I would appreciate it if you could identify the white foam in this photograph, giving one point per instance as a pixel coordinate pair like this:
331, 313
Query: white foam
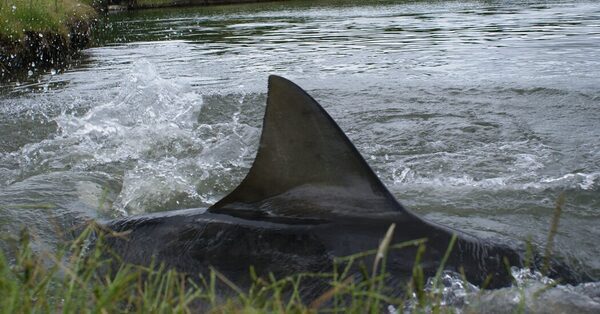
531, 291
584, 181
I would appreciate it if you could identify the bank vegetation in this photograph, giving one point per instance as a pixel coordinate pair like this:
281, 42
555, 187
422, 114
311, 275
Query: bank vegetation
38, 34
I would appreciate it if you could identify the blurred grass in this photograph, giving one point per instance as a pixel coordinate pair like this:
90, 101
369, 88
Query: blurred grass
81, 278
18, 17
76, 280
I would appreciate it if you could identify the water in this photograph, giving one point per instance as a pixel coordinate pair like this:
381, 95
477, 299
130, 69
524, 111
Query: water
477, 115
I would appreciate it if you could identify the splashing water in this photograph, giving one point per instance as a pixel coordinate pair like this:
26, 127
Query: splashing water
150, 148
531, 292
476, 115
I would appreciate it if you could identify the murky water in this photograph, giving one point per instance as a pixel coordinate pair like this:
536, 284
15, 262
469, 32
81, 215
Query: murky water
477, 115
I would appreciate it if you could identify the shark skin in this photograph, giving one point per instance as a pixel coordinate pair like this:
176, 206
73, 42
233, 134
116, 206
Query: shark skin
309, 197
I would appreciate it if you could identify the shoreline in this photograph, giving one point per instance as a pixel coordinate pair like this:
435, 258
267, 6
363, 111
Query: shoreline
43, 50
26, 47
39, 36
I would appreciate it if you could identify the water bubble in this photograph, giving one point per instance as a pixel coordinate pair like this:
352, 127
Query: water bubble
524, 276
451, 289
392, 309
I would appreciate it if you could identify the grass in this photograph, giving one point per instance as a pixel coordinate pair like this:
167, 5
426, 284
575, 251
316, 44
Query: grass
560, 202
77, 279
18, 17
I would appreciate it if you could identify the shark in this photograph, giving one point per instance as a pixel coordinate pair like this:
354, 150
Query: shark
308, 198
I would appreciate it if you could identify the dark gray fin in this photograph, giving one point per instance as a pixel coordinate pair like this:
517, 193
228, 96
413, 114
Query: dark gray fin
306, 167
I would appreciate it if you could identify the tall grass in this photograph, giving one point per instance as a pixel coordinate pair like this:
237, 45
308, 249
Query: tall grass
81, 277
76, 280
560, 202
18, 17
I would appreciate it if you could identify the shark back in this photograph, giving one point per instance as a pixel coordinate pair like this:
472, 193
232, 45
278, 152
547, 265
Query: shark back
306, 167
309, 197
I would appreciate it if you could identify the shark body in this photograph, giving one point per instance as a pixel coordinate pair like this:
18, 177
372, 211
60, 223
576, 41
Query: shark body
309, 197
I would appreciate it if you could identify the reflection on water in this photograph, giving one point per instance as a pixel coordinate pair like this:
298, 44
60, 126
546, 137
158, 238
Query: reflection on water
475, 114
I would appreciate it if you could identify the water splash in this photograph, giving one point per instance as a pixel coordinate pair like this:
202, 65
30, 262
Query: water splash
531, 292
152, 137
535, 293
452, 291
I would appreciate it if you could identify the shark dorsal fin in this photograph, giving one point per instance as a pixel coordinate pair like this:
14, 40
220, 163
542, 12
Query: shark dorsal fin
305, 166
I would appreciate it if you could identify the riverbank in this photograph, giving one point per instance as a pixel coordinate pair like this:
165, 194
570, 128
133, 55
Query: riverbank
41, 34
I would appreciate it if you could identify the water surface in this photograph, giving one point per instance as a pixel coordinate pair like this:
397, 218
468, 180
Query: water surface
476, 114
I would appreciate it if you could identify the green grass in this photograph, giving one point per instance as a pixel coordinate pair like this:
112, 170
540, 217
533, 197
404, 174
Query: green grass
18, 17
75, 280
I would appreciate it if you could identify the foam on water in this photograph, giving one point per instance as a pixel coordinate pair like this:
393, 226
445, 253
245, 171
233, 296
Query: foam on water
534, 293
583, 181
531, 292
